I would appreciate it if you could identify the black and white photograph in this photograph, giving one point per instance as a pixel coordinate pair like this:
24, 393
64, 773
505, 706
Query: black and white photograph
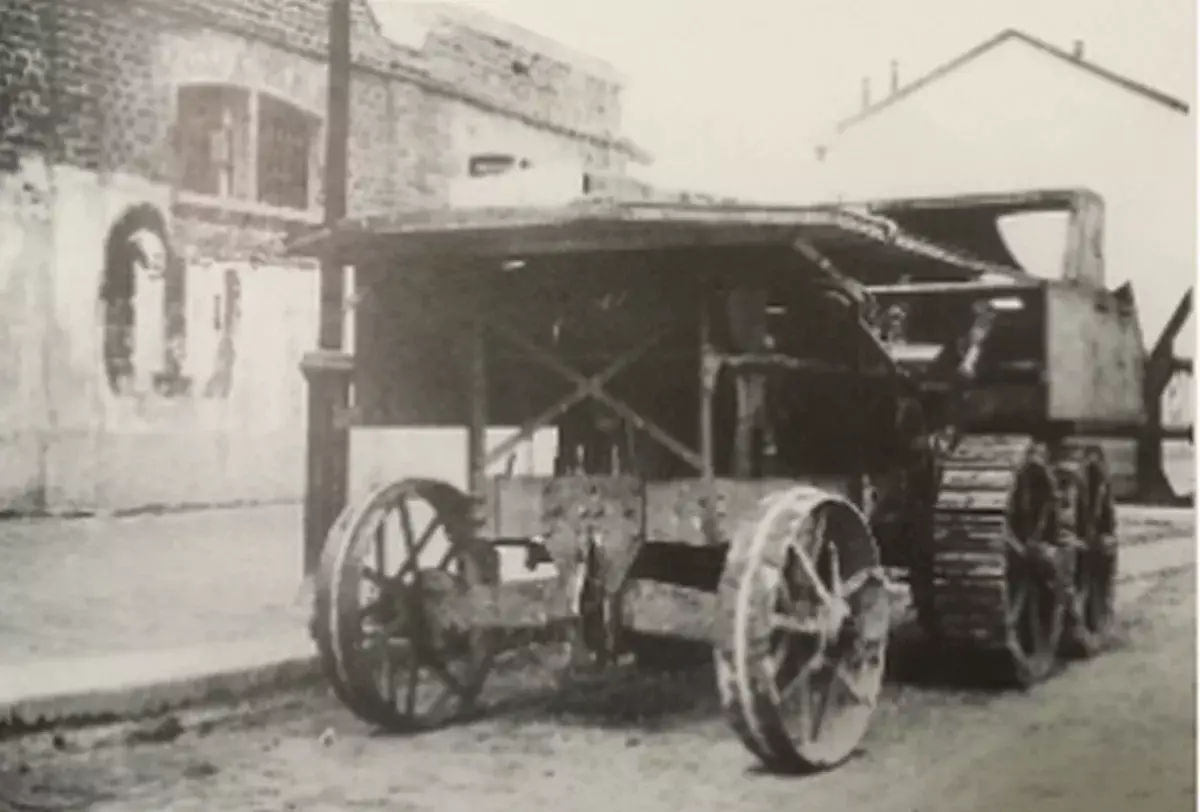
499, 405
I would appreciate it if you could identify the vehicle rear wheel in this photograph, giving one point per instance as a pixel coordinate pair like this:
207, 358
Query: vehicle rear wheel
391, 655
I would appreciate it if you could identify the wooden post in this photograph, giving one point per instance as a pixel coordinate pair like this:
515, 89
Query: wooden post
748, 320
710, 367
328, 390
478, 412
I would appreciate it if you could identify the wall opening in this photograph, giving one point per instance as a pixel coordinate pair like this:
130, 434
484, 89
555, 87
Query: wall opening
235, 143
487, 164
1037, 240
142, 298
213, 126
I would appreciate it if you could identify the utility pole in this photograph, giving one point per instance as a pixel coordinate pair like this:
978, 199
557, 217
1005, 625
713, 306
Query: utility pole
327, 370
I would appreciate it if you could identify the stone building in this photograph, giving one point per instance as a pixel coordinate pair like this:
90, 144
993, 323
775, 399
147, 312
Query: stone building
154, 157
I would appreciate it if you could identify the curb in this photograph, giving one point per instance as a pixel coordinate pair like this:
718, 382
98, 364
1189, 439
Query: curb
151, 510
252, 668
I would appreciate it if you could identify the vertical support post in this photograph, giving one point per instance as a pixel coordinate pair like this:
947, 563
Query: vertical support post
336, 168
477, 417
328, 391
1084, 256
748, 312
710, 367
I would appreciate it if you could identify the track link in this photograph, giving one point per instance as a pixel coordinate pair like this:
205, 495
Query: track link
968, 588
990, 586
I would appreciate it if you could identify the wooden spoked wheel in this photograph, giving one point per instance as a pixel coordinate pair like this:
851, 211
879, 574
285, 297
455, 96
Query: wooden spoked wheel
1090, 618
1033, 603
392, 652
802, 630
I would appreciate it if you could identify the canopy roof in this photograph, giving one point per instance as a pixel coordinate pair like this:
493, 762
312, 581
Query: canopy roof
973, 223
592, 226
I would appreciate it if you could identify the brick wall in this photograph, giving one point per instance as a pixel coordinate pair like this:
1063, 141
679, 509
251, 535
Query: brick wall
116, 64
91, 87
535, 85
110, 103
25, 121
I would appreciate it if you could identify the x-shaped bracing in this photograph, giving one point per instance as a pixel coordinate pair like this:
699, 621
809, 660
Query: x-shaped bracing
588, 387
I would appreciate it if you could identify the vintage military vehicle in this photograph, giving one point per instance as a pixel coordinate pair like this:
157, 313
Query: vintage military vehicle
756, 411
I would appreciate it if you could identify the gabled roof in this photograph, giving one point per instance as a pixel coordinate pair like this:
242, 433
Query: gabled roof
993, 43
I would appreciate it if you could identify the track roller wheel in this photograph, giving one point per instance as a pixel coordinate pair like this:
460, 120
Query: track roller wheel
1090, 615
801, 631
389, 654
1034, 620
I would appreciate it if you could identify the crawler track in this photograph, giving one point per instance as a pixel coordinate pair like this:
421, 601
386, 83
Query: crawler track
997, 550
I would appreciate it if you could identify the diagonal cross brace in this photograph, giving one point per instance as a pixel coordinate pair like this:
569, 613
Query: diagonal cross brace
592, 387
1162, 354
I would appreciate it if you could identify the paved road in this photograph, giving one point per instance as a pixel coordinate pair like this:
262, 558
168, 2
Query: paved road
106, 586
1116, 733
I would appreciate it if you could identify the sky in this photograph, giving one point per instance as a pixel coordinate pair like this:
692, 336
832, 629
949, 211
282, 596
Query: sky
732, 97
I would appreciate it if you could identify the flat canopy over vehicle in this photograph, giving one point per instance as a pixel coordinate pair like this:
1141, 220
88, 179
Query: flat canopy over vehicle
866, 247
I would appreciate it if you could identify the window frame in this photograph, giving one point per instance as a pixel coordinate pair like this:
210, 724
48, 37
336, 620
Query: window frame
245, 196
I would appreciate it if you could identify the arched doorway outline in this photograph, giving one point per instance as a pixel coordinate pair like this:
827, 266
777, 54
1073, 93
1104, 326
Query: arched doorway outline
117, 295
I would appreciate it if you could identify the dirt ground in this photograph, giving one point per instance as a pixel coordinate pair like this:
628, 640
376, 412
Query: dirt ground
1117, 733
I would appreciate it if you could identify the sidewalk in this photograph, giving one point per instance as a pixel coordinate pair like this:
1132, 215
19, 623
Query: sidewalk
84, 587
120, 616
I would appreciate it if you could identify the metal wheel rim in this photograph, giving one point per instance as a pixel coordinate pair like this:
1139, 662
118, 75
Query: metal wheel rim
792, 709
849, 689
1096, 570
1033, 609
387, 651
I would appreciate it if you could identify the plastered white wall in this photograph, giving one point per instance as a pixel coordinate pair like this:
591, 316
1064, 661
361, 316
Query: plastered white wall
69, 443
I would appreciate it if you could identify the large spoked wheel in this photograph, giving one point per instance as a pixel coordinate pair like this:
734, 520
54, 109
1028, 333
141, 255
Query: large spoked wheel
802, 631
1033, 599
1091, 615
392, 650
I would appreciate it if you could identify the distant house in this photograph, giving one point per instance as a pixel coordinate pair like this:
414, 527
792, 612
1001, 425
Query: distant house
1016, 112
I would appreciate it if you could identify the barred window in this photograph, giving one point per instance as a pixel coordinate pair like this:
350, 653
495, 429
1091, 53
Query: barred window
235, 143
285, 141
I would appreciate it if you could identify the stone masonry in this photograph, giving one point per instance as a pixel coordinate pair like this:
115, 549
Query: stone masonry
91, 126
84, 82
